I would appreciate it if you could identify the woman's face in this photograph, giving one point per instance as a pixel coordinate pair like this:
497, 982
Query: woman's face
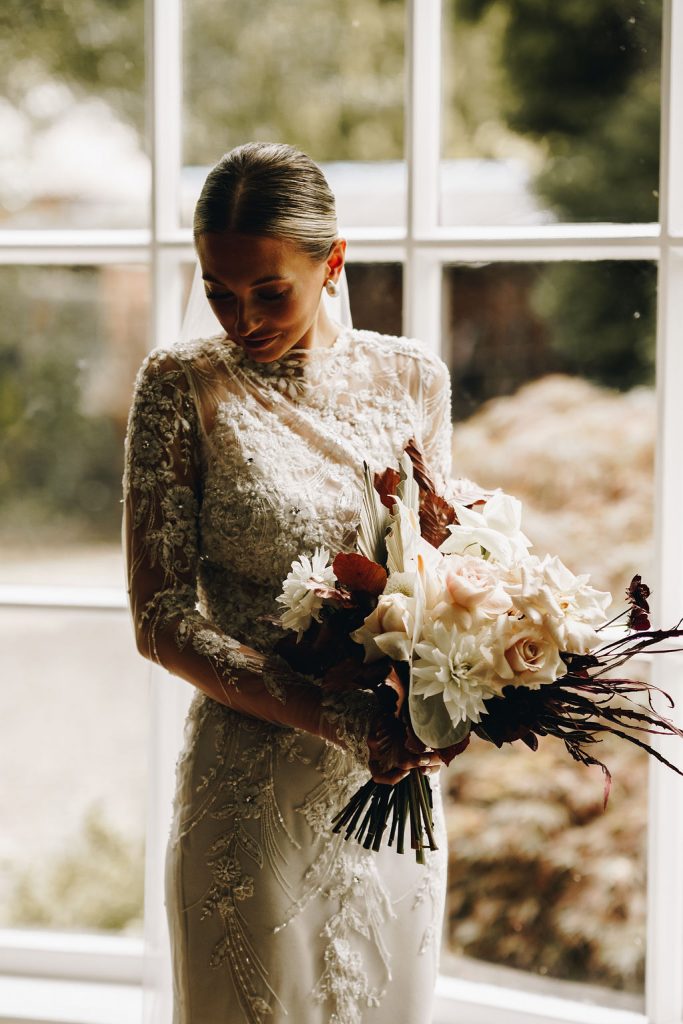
266, 293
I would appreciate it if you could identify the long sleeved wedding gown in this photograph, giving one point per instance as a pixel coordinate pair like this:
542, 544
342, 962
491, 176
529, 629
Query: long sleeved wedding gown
233, 469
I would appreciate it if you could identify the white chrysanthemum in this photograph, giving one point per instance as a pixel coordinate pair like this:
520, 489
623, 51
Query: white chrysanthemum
449, 662
496, 529
299, 590
400, 583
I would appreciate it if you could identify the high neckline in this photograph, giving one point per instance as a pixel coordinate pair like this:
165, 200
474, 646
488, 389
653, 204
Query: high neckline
298, 371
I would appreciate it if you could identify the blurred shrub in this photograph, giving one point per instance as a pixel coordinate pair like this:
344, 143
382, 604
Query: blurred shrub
540, 878
581, 459
97, 883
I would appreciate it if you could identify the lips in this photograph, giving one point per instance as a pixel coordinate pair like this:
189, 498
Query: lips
259, 341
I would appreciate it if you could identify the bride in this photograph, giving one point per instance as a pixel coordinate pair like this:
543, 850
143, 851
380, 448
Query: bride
243, 451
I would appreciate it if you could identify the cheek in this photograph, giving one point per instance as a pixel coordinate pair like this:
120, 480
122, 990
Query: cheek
297, 311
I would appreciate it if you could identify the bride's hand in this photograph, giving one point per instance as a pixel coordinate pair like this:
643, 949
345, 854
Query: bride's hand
390, 759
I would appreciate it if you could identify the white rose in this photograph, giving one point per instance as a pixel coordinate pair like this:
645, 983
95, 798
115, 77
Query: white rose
495, 529
548, 593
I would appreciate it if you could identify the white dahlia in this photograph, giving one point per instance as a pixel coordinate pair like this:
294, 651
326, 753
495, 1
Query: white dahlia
300, 590
449, 662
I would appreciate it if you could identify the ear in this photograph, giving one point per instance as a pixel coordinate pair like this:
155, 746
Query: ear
335, 259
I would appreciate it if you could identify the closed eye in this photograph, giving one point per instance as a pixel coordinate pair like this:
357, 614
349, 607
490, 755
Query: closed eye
215, 297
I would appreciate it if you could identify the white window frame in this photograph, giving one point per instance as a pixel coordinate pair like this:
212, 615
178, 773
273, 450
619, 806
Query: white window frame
424, 249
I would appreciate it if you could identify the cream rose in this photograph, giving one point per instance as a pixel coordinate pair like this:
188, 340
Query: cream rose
388, 629
521, 653
471, 591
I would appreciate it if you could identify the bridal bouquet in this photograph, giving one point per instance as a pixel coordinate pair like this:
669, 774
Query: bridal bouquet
457, 628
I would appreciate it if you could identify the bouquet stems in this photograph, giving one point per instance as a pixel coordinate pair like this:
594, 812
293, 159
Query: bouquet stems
367, 814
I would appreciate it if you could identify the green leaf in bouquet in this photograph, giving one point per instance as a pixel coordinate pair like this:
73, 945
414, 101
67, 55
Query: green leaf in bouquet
432, 723
374, 520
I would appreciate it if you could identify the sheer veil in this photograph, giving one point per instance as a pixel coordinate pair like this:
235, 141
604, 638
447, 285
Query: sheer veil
199, 321
169, 701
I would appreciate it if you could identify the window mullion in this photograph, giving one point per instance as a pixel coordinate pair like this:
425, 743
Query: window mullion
423, 104
664, 960
671, 172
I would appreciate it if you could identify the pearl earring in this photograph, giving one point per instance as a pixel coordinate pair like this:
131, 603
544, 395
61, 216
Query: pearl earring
331, 287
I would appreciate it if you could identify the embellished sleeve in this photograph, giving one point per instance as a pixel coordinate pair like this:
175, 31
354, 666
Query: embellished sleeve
162, 493
435, 406
437, 432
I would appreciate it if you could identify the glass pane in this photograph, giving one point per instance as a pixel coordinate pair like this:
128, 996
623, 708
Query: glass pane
73, 765
328, 78
376, 296
71, 340
553, 373
550, 112
72, 111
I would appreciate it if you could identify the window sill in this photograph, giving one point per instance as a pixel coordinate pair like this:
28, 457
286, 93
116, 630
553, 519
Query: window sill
472, 1002
48, 1001
25, 1000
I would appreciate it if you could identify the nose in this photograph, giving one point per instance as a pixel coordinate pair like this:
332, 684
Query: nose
247, 320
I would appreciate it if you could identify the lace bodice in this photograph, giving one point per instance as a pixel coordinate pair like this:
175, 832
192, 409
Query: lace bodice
234, 468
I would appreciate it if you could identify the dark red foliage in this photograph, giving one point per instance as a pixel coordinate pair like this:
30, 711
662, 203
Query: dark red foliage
421, 474
638, 619
638, 593
448, 753
436, 514
359, 574
385, 485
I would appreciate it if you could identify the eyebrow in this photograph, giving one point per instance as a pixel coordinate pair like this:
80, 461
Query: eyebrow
261, 280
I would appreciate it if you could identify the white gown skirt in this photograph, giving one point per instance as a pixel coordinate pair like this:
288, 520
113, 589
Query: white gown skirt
272, 918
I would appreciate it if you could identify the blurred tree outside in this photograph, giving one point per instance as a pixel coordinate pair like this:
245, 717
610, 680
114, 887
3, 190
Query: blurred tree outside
327, 78
579, 82
61, 460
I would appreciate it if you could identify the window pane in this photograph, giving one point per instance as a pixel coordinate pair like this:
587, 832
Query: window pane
72, 115
376, 296
71, 340
328, 78
553, 372
550, 112
73, 765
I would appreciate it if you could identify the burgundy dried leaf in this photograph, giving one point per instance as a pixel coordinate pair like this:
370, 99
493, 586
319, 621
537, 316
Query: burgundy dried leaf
385, 485
358, 573
448, 753
638, 593
436, 514
340, 595
342, 677
421, 474
638, 619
